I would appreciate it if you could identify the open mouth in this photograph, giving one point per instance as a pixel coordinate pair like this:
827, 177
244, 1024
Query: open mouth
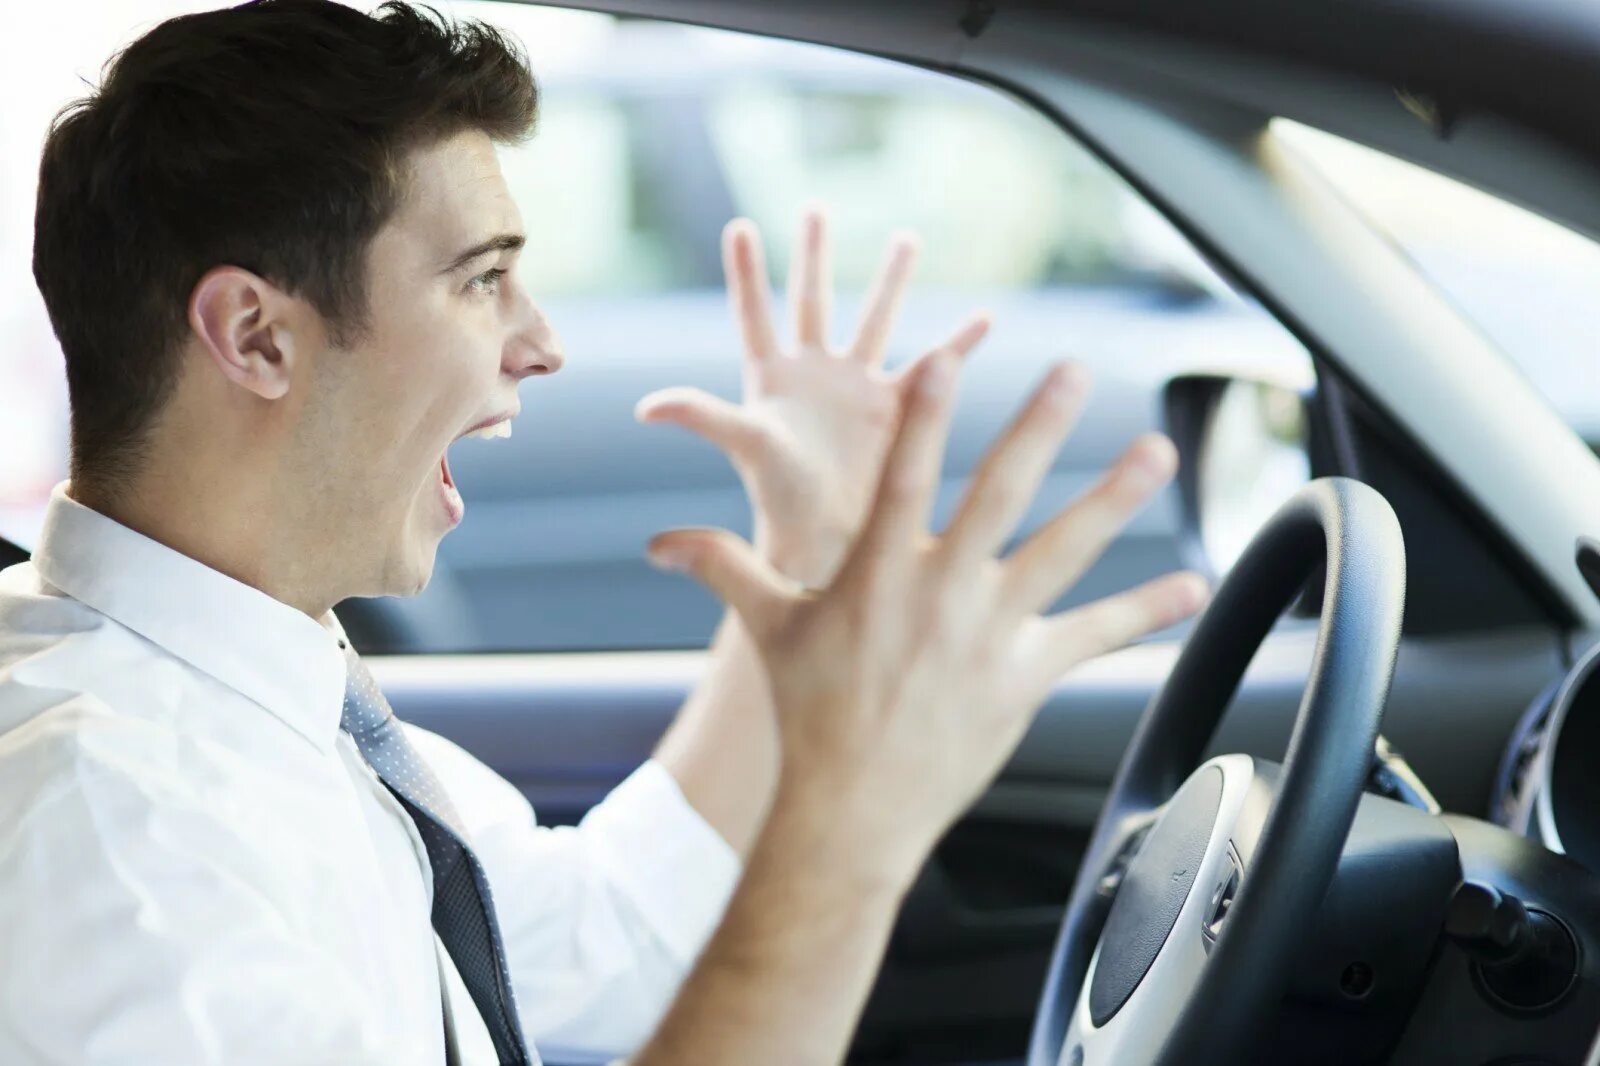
493, 428
455, 507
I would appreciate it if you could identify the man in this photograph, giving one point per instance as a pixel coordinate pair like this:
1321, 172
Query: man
279, 255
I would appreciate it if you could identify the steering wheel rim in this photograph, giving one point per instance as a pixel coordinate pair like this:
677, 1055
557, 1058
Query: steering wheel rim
1351, 528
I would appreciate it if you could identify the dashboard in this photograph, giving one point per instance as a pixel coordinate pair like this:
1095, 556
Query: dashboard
1548, 788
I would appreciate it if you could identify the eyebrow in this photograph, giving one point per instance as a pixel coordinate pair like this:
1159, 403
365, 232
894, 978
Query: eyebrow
505, 242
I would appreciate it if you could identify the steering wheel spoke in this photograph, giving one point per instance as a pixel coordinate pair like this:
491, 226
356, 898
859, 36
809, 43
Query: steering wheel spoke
1139, 979
1130, 836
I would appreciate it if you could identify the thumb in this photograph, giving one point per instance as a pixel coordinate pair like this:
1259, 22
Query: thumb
733, 571
724, 424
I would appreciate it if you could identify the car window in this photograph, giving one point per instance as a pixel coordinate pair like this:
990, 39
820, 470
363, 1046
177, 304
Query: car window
653, 135
1530, 284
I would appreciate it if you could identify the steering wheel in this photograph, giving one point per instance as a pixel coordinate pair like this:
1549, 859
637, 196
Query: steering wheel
1200, 879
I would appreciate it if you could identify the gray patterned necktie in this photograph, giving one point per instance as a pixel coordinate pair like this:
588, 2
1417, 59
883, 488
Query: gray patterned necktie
463, 905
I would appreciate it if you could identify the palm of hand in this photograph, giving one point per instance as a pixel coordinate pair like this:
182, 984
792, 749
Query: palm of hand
810, 438
826, 422
910, 666
908, 679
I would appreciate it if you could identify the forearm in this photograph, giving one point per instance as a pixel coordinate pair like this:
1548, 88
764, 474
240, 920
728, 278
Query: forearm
784, 978
723, 747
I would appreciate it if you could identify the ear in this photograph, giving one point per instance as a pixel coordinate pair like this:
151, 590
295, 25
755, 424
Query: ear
244, 324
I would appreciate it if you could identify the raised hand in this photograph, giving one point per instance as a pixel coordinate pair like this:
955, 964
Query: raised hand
810, 437
905, 684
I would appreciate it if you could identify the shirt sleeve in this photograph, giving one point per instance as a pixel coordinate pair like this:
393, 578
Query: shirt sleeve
603, 920
169, 951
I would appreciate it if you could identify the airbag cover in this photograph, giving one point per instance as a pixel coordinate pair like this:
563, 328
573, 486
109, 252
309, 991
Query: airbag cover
1153, 892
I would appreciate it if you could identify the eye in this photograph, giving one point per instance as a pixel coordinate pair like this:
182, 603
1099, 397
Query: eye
487, 283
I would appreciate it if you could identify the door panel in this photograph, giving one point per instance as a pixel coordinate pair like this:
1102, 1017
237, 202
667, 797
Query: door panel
967, 957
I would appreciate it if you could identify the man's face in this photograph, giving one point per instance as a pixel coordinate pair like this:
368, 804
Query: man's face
450, 334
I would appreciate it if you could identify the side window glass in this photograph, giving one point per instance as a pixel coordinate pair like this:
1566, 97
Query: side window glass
652, 135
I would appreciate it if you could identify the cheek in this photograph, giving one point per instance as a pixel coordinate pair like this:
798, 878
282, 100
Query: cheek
420, 377
445, 341
434, 365
437, 392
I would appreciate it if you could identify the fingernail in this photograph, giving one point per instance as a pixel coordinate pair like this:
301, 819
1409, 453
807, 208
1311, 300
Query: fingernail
672, 559
1139, 478
1156, 458
1065, 380
1196, 591
1145, 476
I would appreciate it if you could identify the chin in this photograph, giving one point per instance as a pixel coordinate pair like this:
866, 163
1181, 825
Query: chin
410, 565
411, 560
419, 572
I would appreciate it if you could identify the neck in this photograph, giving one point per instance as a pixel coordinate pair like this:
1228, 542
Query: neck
232, 521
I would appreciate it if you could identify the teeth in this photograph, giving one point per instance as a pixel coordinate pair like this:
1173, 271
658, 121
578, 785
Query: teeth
499, 429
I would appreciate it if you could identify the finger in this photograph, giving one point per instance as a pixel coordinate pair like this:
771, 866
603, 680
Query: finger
811, 280
726, 425
745, 264
961, 342
1008, 478
1071, 638
1057, 554
910, 477
733, 571
883, 303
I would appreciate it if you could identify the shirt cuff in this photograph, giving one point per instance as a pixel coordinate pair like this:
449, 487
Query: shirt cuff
672, 865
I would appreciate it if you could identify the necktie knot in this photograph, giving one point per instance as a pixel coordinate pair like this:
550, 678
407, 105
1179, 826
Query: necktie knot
365, 708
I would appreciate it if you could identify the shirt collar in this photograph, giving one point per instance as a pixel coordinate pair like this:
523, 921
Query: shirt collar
272, 653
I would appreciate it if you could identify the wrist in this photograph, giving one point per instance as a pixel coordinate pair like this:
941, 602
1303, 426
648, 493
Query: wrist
864, 843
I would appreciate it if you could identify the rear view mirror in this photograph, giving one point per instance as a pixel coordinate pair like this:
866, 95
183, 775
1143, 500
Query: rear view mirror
1245, 449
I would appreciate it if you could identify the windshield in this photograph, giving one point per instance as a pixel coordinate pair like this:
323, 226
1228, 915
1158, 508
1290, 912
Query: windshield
1530, 285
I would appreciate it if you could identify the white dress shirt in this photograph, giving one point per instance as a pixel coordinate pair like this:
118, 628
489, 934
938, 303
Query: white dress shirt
196, 865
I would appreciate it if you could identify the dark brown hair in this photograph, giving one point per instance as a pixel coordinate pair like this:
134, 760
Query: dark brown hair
269, 136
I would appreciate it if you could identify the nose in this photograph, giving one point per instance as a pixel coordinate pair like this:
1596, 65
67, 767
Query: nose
534, 349
540, 360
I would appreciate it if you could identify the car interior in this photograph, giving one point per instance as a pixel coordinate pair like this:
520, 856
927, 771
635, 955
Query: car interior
1348, 816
